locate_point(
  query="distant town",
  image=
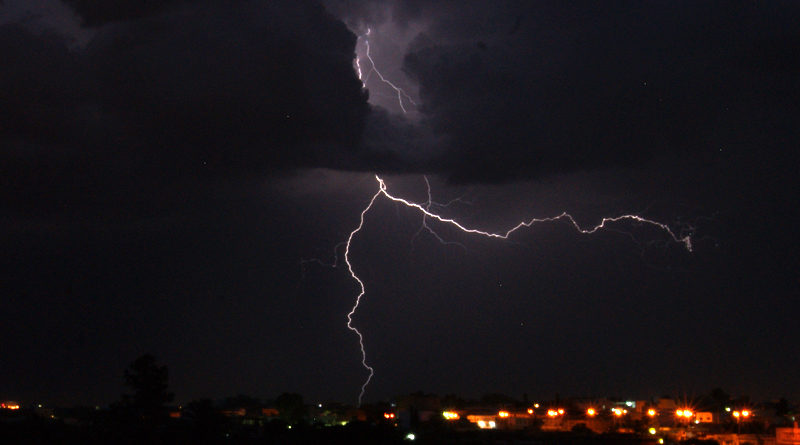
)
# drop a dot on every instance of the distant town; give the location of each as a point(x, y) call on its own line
point(146, 415)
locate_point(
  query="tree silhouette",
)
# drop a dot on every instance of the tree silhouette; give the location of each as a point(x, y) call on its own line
point(149, 383)
point(291, 407)
point(720, 398)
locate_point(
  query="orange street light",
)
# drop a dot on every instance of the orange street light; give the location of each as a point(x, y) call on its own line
point(651, 412)
point(591, 412)
point(503, 414)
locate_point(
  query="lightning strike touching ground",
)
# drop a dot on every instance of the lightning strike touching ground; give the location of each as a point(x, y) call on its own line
point(426, 213)
point(373, 69)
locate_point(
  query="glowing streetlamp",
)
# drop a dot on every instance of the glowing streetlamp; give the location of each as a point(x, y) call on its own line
point(450, 415)
point(591, 412)
point(739, 416)
point(555, 412)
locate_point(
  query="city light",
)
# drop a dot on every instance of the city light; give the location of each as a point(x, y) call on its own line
point(651, 431)
point(745, 413)
point(591, 412)
point(410, 436)
point(450, 415)
point(11, 406)
point(530, 411)
point(736, 414)
point(651, 412)
point(552, 413)
point(503, 414)
point(561, 411)
point(389, 415)
point(685, 413)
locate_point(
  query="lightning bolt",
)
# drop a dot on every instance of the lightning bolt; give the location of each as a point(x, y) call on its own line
point(424, 209)
point(373, 69)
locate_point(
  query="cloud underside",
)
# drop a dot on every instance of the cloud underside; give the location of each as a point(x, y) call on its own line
point(176, 89)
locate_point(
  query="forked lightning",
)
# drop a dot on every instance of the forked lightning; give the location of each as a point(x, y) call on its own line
point(424, 209)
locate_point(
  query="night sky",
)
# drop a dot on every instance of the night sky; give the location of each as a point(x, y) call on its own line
point(169, 171)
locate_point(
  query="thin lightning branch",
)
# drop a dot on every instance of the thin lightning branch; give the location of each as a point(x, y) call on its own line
point(400, 93)
point(686, 241)
point(425, 225)
point(425, 210)
point(360, 294)
point(358, 71)
point(335, 262)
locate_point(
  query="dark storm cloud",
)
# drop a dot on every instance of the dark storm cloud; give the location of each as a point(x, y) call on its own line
point(241, 87)
point(507, 89)
point(525, 89)
point(96, 13)
point(146, 202)
point(202, 90)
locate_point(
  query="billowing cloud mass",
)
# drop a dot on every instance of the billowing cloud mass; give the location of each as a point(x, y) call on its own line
point(154, 99)
point(525, 89)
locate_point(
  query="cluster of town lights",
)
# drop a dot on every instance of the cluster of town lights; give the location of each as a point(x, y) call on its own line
point(682, 413)
point(11, 406)
point(389, 415)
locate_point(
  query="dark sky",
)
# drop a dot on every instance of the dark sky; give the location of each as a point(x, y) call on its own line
point(167, 168)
